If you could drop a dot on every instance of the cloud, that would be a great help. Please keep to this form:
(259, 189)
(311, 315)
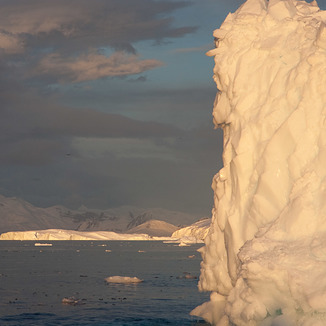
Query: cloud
(53, 36)
(116, 19)
(124, 148)
(10, 43)
(93, 66)
(108, 142)
(62, 41)
(30, 152)
(35, 131)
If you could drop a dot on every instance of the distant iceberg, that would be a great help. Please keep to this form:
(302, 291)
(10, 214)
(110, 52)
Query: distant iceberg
(57, 234)
(197, 231)
(194, 233)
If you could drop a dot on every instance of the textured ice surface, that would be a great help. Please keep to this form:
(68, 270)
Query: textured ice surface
(265, 254)
(198, 230)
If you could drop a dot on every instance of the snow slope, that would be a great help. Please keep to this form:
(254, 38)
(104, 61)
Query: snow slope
(155, 228)
(265, 255)
(198, 230)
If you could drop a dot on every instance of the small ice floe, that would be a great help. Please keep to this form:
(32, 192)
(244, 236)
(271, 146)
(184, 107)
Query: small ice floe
(108, 250)
(183, 244)
(102, 245)
(123, 279)
(187, 276)
(141, 250)
(38, 244)
(70, 301)
(191, 256)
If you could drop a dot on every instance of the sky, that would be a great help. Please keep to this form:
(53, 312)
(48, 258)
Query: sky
(107, 103)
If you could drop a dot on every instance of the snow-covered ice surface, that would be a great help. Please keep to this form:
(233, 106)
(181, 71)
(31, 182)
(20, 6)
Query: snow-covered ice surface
(65, 285)
(265, 256)
(195, 232)
(55, 234)
(152, 231)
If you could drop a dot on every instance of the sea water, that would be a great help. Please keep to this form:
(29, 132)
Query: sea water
(35, 279)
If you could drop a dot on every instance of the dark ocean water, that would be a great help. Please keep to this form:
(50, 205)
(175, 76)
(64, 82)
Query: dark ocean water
(34, 280)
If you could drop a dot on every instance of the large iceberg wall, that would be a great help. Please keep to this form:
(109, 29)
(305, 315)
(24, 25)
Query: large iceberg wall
(264, 259)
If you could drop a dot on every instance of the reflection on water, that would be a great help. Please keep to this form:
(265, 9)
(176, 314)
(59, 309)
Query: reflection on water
(34, 280)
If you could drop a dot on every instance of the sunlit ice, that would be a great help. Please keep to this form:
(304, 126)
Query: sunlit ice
(264, 258)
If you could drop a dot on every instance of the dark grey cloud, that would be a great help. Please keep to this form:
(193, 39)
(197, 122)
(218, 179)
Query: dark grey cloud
(80, 40)
(180, 181)
(36, 130)
(184, 107)
(91, 66)
(30, 151)
(65, 121)
(75, 23)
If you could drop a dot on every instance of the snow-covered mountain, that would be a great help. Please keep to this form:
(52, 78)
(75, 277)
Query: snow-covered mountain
(155, 228)
(19, 215)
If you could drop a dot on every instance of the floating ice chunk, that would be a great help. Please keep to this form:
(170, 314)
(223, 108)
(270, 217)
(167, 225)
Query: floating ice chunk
(184, 244)
(188, 276)
(43, 244)
(70, 301)
(123, 279)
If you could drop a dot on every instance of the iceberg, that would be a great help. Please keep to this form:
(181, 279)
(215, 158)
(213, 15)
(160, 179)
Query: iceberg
(194, 233)
(264, 259)
(152, 230)
(197, 230)
(58, 234)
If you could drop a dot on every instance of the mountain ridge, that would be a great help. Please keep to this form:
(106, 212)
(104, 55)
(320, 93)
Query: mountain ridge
(17, 214)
